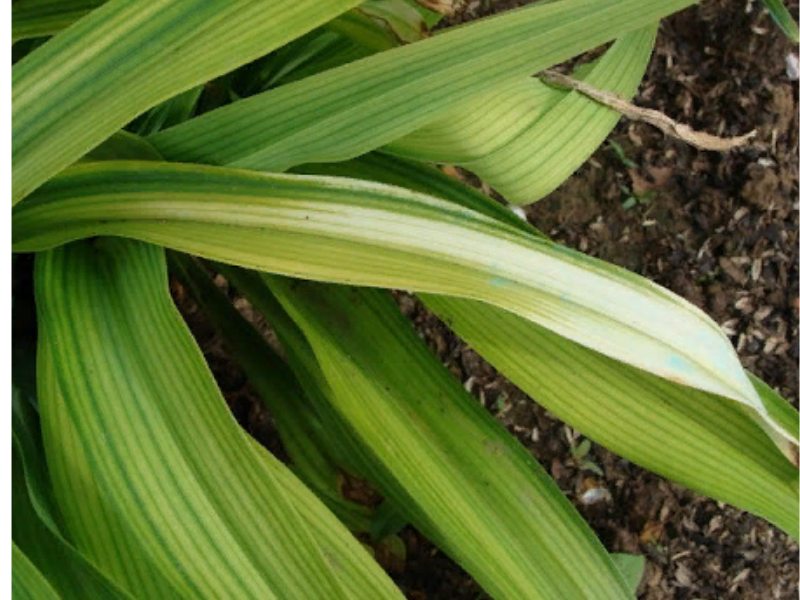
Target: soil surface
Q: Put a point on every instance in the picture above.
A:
(720, 230)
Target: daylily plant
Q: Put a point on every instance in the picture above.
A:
(293, 146)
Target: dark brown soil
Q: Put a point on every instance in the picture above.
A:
(720, 230)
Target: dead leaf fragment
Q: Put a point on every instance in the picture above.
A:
(734, 272)
(651, 532)
(684, 575)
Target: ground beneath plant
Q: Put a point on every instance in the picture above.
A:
(721, 231)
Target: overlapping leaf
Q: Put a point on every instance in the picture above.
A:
(526, 138)
(127, 56)
(358, 107)
(36, 18)
(189, 506)
(691, 437)
(369, 234)
(304, 435)
(66, 570)
(442, 460)
(695, 438)
(37, 528)
(27, 582)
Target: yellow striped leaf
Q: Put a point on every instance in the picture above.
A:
(157, 483)
(365, 233)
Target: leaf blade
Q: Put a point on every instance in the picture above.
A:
(526, 140)
(176, 486)
(363, 233)
(445, 464)
(90, 69)
(348, 111)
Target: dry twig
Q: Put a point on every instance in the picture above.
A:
(698, 139)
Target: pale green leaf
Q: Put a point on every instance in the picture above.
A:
(364, 233)
(418, 177)
(446, 465)
(302, 431)
(694, 438)
(526, 138)
(157, 483)
(661, 417)
(631, 567)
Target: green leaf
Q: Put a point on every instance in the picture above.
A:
(172, 112)
(157, 483)
(22, 48)
(27, 582)
(453, 471)
(780, 14)
(631, 567)
(37, 527)
(476, 128)
(297, 424)
(406, 22)
(123, 146)
(35, 18)
(526, 138)
(346, 38)
(348, 111)
(430, 17)
(388, 521)
(67, 571)
(697, 439)
(582, 450)
(351, 231)
(27, 441)
(589, 405)
(127, 56)
(360, 28)
(319, 50)
(418, 177)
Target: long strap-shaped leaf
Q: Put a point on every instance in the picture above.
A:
(302, 433)
(450, 468)
(157, 483)
(688, 436)
(126, 56)
(27, 582)
(692, 437)
(37, 527)
(350, 110)
(370, 234)
(527, 141)
(68, 571)
(418, 177)
(780, 14)
(35, 18)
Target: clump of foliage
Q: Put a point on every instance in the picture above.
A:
(291, 145)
